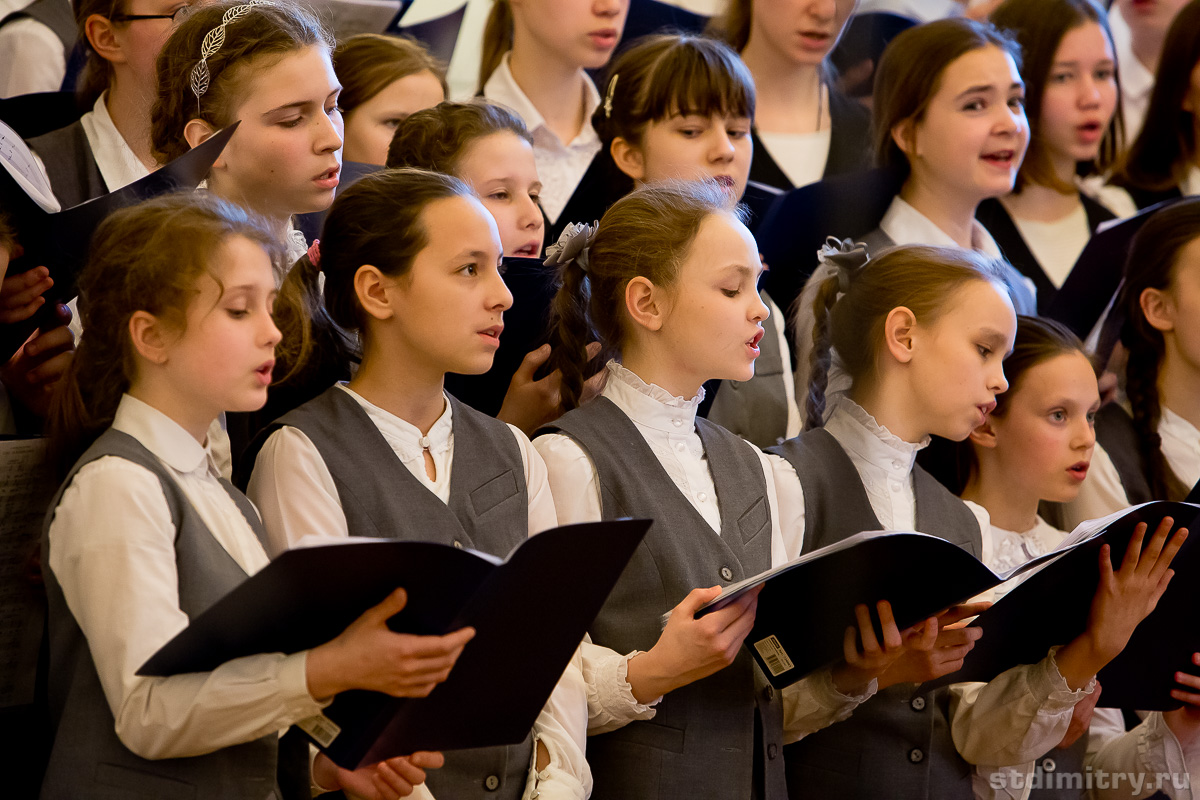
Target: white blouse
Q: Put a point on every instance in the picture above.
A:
(116, 564)
(1056, 245)
(668, 425)
(118, 164)
(297, 495)
(801, 156)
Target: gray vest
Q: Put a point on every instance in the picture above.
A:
(894, 745)
(55, 15)
(488, 511)
(88, 760)
(70, 165)
(1056, 772)
(719, 737)
(756, 409)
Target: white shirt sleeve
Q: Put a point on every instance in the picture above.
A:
(294, 491)
(31, 58)
(1100, 495)
(1149, 755)
(116, 565)
(576, 490)
(815, 703)
(1016, 717)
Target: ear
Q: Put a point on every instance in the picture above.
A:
(101, 35)
(370, 285)
(904, 134)
(984, 435)
(643, 301)
(150, 337)
(1158, 308)
(197, 131)
(628, 158)
(898, 329)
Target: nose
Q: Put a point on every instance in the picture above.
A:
(998, 384)
(530, 216)
(1085, 435)
(759, 311)
(823, 10)
(270, 331)
(328, 136)
(609, 8)
(499, 297)
(1089, 92)
(721, 149)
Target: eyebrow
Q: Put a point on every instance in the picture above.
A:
(1104, 62)
(299, 103)
(742, 269)
(989, 87)
(993, 336)
(471, 254)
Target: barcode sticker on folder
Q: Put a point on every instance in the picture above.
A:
(773, 654)
(321, 728)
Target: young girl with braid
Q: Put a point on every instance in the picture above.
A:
(1147, 446)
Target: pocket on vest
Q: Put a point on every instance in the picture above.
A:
(142, 783)
(756, 519)
(651, 734)
(494, 492)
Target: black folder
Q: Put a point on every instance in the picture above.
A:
(1051, 608)
(807, 604)
(1096, 276)
(530, 613)
(526, 327)
(60, 241)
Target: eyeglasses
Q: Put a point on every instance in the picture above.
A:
(177, 16)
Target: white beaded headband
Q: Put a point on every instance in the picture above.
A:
(213, 40)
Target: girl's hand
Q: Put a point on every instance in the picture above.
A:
(863, 664)
(21, 294)
(952, 640)
(690, 649)
(387, 780)
(529, 404)
(1185, 722)
(1122, 600)
(32, 373)
(1081, 719)
(369, 655)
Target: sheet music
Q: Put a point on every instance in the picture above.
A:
(26, 488)
(18, 159)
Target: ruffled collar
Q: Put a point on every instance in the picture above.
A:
(650, 404)
(858, 431)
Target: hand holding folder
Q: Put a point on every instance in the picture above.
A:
(529, 613)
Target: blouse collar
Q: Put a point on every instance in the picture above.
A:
(162, 436)
(904, 224)
(403, 434)
(867, 440)
(648, 404)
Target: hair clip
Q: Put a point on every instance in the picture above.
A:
(573, 246)
(212, 43)
(847, 256)
(608, 96)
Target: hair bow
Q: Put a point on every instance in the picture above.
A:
(847, 256)
(573, 245)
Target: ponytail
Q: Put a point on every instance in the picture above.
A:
(497, 40)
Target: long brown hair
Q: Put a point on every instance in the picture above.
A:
(1152, 264)
(266, 29)
(647, 233)
(920, 278)
(1160, 157)
(436, 138)
(910, 74)
(497, 40)
(146, 257)
(1039, 27)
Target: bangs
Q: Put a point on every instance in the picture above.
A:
(695, 79)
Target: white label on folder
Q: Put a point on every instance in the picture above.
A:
(321, 728)
(774, 655)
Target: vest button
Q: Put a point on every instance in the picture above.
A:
(491, 783)
(726, 573)
(769, 693)
(918, 704)
(916, 756)
(1048, 765)
(772, 751)
(458, 544)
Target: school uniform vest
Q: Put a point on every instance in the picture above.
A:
(1055, 773)
(719, 737)
(70, 164)
(999, 223)
(1118, 437)
(757, 409)
(894, 745)
(488, 511)
(55, 15)
(88, 760)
